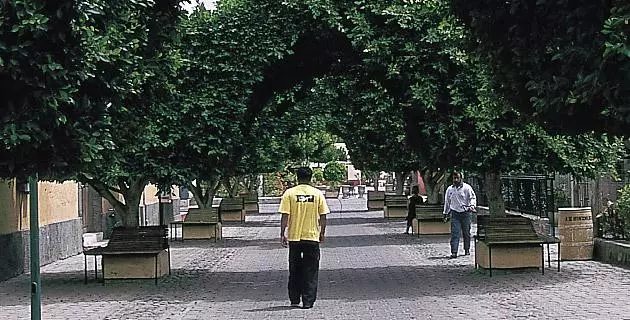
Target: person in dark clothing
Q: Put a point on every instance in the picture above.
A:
(415, 200)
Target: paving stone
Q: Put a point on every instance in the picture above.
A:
(369, 270)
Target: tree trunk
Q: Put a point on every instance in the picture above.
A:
(129, 210)
(400, 182)
(434, 184)
(253, 185)
(493, 191)
(231, 186)
(131, 218)
(204, 192)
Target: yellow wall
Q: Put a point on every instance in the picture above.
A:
(150, 195)
(57, 202)
(9, 219)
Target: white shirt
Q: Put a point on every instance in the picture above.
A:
(458, 198)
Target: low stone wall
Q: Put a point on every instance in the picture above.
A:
(11, 255)
(57, 241)
(612, 252)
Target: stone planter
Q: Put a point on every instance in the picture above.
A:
(395, 206)
(232, 210)
(135, 266)
(345, 191)
(508, 256)
(376, 200)
(429, 220)
(361, 191)
(192, 231)
(251, 204)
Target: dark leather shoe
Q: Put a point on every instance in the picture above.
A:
(453, 256)
(307, 306)
(467, 253)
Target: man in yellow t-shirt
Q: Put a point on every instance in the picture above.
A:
(304, 210)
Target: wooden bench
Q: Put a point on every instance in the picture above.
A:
(375, 200)
(198, 224)
(232, 210)
(511, 242)
(430, 220)
(133, 253)
(395, 206)
(331, 194)
(251, 204)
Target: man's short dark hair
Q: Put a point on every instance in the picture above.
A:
(415, 189)
(304, 174)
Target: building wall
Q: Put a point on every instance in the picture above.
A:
(9, 212)
(60, 225)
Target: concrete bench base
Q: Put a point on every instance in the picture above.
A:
(135, 266)
(375, 204)
(509, 256)
(233, 216)
(395, 212)
(428, 227)
(251, 208)
(200, 231)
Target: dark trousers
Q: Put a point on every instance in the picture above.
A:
(460, 225)
(303, 271)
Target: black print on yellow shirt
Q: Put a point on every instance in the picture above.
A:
(305, 198)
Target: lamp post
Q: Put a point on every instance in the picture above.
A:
(36, 285)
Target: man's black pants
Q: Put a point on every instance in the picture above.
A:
(303, 271)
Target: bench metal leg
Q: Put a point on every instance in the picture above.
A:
(103, 269)
(548, 255)
(558, 257)
(490, 259)
(156, 268)
(476, 265)
(542, 257)
(85, 269)
(95, 269)
(169, 261)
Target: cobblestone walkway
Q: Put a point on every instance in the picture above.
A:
(369, 270)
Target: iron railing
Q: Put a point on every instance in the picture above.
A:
(528, 194)
(611, 225)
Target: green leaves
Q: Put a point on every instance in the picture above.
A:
(557, 58)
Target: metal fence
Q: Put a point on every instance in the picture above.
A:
(612, 225)
(529, 194)
(542, 195)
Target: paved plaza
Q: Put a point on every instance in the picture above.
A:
(369, 270)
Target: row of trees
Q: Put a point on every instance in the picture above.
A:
(122, 93)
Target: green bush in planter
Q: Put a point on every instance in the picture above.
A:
(318, 176)
(623, 208)
(334, 173)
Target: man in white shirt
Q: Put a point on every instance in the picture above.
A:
(459, 204)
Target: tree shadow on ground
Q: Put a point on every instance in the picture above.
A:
(347, 284)
(346, 241)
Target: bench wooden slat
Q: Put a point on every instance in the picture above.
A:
(232, 204)
(510, 230)
(199, 216)
(396, 200)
